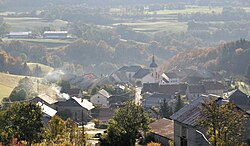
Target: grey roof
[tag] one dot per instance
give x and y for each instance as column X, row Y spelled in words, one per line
column 190, row 113
column 124, row 68
column 213, row 85
column 141, row 73
column 159, row 95
column 153, row 65
column 133, row 68
column 196, row 89
column 171, row 75
column 163, row 127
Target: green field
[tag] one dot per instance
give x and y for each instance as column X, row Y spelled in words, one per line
column 33, row 23
column 50, row 43
column 189, row 9
column 45, row 69
column 8, row 82
column 157, row 26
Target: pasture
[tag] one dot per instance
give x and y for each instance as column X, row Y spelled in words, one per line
column 33, row 23
column 8, row 82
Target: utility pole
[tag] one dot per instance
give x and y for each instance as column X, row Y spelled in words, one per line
column 83, row 134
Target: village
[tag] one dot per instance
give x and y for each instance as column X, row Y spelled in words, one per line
column 93, row 101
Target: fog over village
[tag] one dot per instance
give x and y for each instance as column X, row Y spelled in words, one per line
column 124, row 73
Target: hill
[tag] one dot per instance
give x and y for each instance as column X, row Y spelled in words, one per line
column 8, row 82
column 45, row 69
column 232, row 58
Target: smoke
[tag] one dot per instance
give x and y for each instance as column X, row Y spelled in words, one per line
column 54, row 76
column 60, row 95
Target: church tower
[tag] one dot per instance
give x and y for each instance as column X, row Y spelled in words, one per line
column 153, row 66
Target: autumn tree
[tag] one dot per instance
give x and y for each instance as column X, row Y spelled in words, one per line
column 125, row 125
column 22, row 121
column 225, row 123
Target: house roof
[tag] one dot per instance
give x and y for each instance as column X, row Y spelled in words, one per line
column 104, row 93
column 47, row 110
column 191, row 112
column 84, row 103
column 213, row 85
column 74, row 102
column 150, row 87
column 124, row 68
column 171, row 75
column 159, row 95
column 47, row 98
column 197, row 88
column 141, row 73
column 133, row 68
column 122, row 76
column 163, row 127
column 168, row 89
column 240, row 99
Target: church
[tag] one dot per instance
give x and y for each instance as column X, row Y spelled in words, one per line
column 147, row 75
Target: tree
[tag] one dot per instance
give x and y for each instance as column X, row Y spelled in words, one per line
column 23, row 121
column 225, row 123
column 125, row 125
column 165, row 110
column 179, row 103
column 18, row 95
column 56, row 129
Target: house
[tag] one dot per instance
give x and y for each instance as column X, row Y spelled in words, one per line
column 27, row 34
column 150, row 87
column 100, row 98
column 130, row 70
column 195, row 91
column 143, row 76
column 214, row 87
column 186, row 130
column 162, row 131
column 44, row 99
column 155, row 100
column 198, row 75
column 170, row 90
column 55, row 34
column 117, row 99
column 80, row 109
column 105, row 114
column 239, row 98
column 47, row 111
column 119, row 77
column 170, row 78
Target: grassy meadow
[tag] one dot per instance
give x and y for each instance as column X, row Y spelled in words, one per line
column 8, row 82
column 33, row 23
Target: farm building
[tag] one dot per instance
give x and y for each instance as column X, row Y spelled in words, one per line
column 27, row 34
column 55, row 34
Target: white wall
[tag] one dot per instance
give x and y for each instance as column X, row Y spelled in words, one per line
column 99, row 99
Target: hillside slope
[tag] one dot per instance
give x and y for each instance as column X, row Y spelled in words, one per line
column 233, row 57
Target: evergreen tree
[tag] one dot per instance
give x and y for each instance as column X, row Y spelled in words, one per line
column 165, row 110
column 179, row 103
